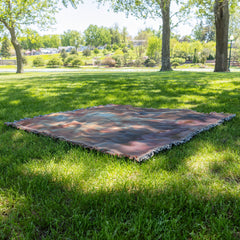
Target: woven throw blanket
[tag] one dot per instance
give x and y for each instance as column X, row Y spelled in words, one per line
column 123, row 130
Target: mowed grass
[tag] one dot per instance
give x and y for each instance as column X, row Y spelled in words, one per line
column 53, row 190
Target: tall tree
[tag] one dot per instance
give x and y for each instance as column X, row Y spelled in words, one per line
column 16, row 15
column 221, row 13
column 72, row 38
column 221, row 10
column 115, row 35
column 144, row 9
column 5, row 49
column 97, row 36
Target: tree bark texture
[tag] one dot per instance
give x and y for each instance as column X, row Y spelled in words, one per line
column 165, row 9
column 17, row 48
column 221, row 12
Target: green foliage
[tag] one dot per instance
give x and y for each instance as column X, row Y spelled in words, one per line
column 109, row 62
column 138, row 62
column 125, row 50
column 97, row 36
column 145, row 35
column 77, row 62
column 38, row 62
column 18, row 14
column 63, row 54
column 74, row 51
column 24, row 60
column 54, row 62
column 73, row 61
column 178, row 60
column 31, row 40
column 115, row 35
column 150, row 62
column 175, row 64
column 68, row 60
column 97, row 62
column 205, row 33
column 115, row 47
column 5, row 49
column 119, row 60
column 71, row 38
column 51, row 41
column 118, row 52
column 154, row 48
column 96, row 50
column 109, row 47
column 86, row 52
column 105, row 51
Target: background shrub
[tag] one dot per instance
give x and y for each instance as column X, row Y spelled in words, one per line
column 119, row 60
column 74, row 51
column 175, row 64
column 76, row 62
column 138, row 62
column 54, row 62
column 68, row 60
column 109, row 61
column 150, row 62
column 86, row 52
column 178, row 60
column 97, row 62
column 96, row 50
column 38, row 62
column 63, row 54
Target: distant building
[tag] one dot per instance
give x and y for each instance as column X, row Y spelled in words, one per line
column 48, row 50
column 137, row 43
column 67, row 48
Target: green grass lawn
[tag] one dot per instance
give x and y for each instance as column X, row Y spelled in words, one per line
column 52, row 190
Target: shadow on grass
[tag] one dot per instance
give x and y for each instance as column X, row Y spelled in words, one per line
column 50, row 208
column 43, row 200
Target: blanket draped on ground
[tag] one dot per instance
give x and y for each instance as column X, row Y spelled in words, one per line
column 123, row 130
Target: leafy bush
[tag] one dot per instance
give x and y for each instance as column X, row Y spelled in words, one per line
column 175, row 64
column 150, row 62
column 125, row 50
column 74, row 51
column 96, row 50
column 68, row 60
column 178, row 60
column 118, row 52
column 73, row 61
column 109, row 48
column 105, row 52
column 109, row 61
column 138, row 62
column 76, row 62
column 63, row 54
column 54, row 62
column 119, row 60
column 97, row 62
column 38, row 62
column 115, row 46
column 86, row 52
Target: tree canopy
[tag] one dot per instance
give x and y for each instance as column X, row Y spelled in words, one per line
column 17, row 15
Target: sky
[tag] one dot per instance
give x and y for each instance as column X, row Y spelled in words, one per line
column 88, row 13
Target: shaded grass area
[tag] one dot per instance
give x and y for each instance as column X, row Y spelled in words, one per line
column 53, row 190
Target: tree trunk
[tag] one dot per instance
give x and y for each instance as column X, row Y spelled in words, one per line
column 165, row 8
column 17, row 48
column 221, row 12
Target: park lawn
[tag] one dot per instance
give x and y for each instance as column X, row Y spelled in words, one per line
column 52, row 190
